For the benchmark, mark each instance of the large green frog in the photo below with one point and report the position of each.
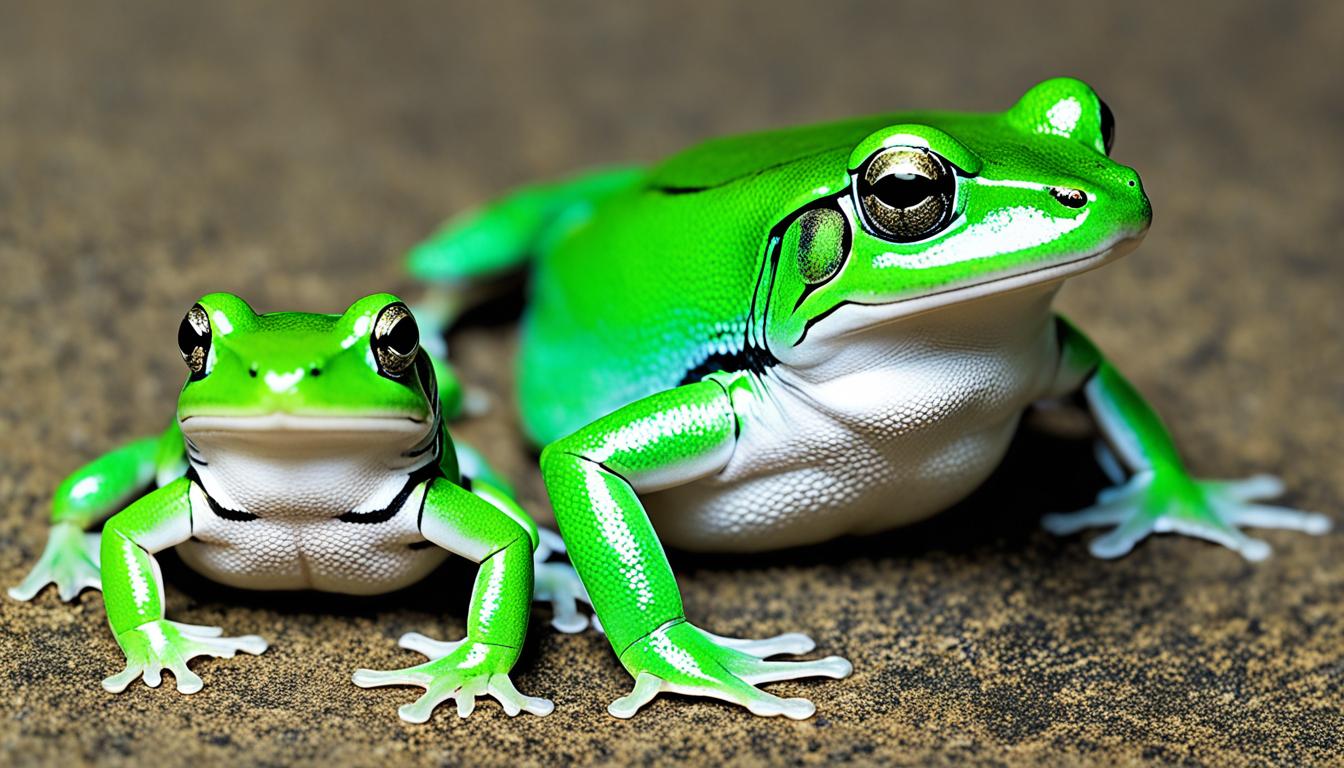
(777, 339)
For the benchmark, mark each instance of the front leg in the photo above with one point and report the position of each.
(555, 582)
(133, 593)
(1161, 495)
(478, 665)
(594, 477)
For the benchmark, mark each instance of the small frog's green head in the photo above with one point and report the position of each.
(934, 209)
(361, 372)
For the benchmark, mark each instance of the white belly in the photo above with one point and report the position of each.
(309, 552)
(893, 428)
(296, 489)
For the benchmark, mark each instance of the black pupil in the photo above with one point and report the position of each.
(1107, 127)
(904, 191)
(187, 337)
(403, 337)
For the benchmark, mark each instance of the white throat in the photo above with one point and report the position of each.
(282, 466)
(999, 323)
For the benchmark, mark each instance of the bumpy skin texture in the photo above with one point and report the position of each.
(309, 453)
(776, 339)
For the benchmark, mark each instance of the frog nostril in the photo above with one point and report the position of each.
(252, 371)
(314, 371)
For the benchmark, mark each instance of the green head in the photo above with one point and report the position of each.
(933, 209)
(360, 371)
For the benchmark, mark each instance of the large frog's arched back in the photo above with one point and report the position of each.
(733, 158)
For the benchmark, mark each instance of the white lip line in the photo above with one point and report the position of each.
(1060, 267)
(938, 299)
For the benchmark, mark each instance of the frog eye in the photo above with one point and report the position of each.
(1107, 127)
(193, 340)
(1069, 197)
(907, 193)
(396, 340)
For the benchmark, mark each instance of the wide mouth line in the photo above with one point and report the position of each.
(292, 422)
(1022, 276)
(1022, 279)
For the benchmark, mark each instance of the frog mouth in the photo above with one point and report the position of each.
(862, 317)
(289, 426)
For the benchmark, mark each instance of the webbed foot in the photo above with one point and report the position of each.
(682, 658)
(1164, 502)
(70, 561)
(158, 645)
(460, 670)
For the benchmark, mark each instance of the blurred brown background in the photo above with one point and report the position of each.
(290, 152)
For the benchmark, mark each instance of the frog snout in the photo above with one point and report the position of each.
(1119, 193)
(1133, 200)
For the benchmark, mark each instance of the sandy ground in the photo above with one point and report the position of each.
(290, 152)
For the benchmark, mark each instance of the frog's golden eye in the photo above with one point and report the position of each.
(907, 193)
(193, 340)
(395, 341)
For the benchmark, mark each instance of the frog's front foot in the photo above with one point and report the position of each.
(682, 658)
(158, 645)
(1170, 501)
(461, 670)
(70, 561)
(559, 585)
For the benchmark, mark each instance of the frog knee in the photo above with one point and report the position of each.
(558, 457)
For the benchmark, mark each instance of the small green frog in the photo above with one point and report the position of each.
(309, 452)
(777, 339)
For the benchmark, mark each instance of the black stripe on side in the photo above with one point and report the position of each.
(427, 472)
(221, 511)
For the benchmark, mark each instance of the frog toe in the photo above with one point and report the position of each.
(187, 681)
(434, 649)
(1108, 512)
(739, 691)
(1217, 529)
(420, 710)
(1280, 518)
(769, 705)
(647, 687)
(120, 681)
(501, 688)
(759, 672)
(788, 643)
(33, 583)
(1254, 488)
(378, 678)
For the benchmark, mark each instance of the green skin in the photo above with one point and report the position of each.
(238, 380)
(667, 305)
